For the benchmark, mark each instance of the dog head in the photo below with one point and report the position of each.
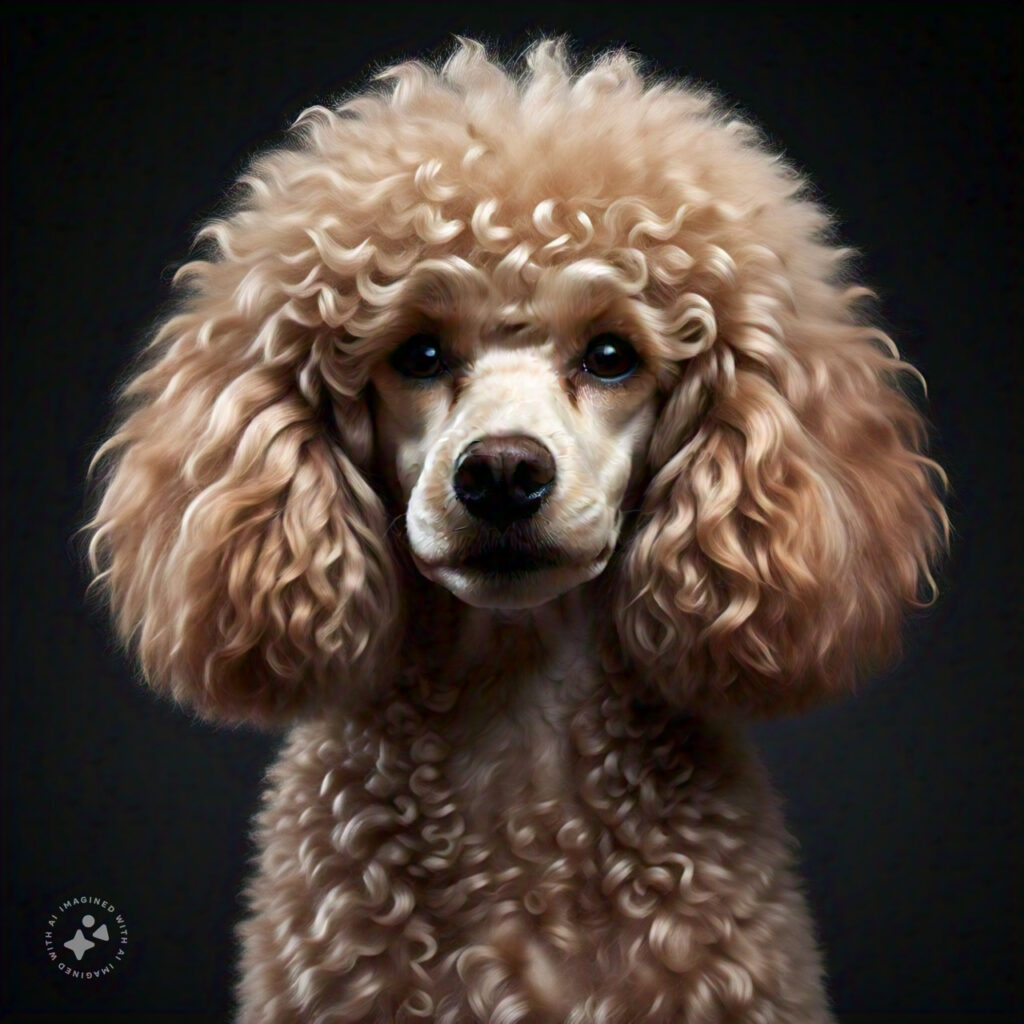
(553, 326)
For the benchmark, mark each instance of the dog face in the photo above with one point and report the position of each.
(530, 303)
(514, 443)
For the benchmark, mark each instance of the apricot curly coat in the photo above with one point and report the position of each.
(516, 796)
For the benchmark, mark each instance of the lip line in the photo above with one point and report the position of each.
(465, 563)
(501, 561)
(446, 566)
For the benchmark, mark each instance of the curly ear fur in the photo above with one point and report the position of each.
(784, 534)
(790, 516)
(242, 548)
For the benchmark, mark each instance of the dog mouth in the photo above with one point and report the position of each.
(504, 574)
(504, 561)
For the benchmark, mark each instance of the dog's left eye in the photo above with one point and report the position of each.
(419, 357)
(610, 357)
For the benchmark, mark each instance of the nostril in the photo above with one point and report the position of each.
(530, 477)
(475, 476)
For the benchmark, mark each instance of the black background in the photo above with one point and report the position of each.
(124, 131)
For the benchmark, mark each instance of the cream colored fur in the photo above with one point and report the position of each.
(520, 798)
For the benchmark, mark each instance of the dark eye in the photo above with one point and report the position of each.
(610, 357)
(419, 357)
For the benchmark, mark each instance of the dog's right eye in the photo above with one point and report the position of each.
(419, 357)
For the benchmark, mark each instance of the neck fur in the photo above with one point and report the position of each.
(501, 686)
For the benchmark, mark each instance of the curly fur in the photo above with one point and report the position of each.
(540, 815)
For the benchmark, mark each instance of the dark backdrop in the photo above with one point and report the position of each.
(123, 132)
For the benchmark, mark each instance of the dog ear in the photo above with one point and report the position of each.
(786, 528)
(241, 546)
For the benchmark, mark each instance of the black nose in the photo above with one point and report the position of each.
(503, 479)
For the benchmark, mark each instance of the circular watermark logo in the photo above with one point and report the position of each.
(86, 937)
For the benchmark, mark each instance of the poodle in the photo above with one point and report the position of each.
(517, 434)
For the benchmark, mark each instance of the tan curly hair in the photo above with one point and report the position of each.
(787, 516)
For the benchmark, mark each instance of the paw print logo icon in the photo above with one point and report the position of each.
(86, 938)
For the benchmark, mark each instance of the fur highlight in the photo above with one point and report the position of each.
(249, 537)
